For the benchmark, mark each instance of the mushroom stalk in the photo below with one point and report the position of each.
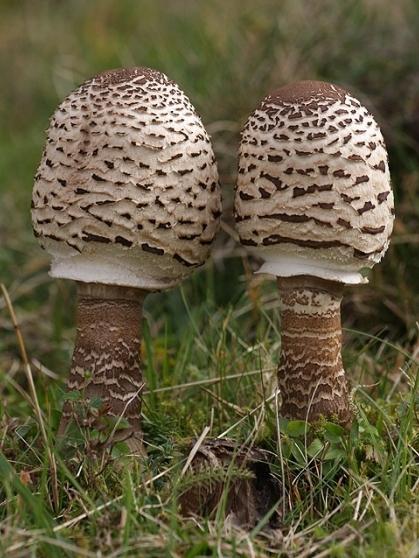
(311, 375)
(106, 360)
(126, 201)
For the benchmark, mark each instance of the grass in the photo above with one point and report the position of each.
(211, 347)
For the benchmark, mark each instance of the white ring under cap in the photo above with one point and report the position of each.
(291, 266)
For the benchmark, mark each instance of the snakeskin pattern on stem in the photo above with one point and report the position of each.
(106, 360)
(311, 375)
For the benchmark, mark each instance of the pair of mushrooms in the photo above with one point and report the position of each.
(127, 201)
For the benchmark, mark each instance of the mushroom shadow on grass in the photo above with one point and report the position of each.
(314, 201)
(126, 201)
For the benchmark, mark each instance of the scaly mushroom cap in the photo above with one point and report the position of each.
(127, 189)
(313, 193)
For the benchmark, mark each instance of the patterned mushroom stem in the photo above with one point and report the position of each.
(311, 375)
(106, 362)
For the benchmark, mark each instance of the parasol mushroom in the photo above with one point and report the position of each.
(314, 202)
(126, 201)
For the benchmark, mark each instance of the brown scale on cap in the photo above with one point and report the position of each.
(141, 74)
(314, 202)
(300, 91)
(126, 200)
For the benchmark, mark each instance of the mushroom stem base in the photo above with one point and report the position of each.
(311, 375)
(106, 370)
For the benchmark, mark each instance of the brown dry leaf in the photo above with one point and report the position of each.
(25, 477)
(238, 477)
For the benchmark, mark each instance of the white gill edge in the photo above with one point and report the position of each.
(124, 268)
(291, 266)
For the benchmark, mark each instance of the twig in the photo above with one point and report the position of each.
(194, 450)
(228, 404)
(208, 381)
(43, 369)
(247, 415)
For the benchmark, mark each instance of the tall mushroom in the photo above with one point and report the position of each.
(314, 202)
(126, 201)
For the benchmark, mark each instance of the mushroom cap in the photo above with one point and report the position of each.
(313, 193)
(127, 190)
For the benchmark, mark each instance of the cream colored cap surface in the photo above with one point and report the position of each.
(313, 193)
(127, 189)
